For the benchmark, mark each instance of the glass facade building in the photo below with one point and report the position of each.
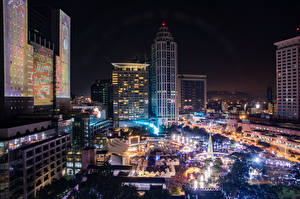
(163, 77)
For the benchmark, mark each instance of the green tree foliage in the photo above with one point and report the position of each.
(236, 180)
(288, 192)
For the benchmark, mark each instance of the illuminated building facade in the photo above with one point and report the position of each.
(61, 37)
(85, 127)
(43, 75)
(130, 92)
(33, 73)
(31, 156)
(191, 93)
(288, 78)
(163, 76)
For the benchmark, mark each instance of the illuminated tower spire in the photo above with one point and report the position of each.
(210, 149)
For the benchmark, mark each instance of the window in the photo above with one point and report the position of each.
(69, 164)
(78, 164)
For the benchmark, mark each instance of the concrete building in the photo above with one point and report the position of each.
(32, 155)
(130, 92)
(163, 77)
(287, 78)
(191, 93)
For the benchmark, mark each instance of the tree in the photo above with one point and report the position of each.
(236, 180)
(295, 172)
(175, 190)
(288, 192)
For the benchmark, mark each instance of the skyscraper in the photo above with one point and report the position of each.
(130, 92)
(163, 75)
(33, 150)
(33, 71)
(288, 78)
(191, 93)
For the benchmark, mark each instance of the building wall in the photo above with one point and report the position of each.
(287, 78)
(43, 163)
(100, 91)
(130, 91)
(19, 61)
(191, 93)
(164, 77)
(43, 75)
(31, 156)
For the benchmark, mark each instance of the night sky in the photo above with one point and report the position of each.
(229, 41)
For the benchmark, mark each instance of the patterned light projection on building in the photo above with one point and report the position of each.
(43, 75)
(15, 41)
(63, 61)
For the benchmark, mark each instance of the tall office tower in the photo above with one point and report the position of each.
(100, 91)
(288, 78)
(191, 93)
(130, 92)
(163, 75)
(33, 71)
(61, 36)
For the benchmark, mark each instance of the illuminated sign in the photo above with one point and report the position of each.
(63, 61)
(199, 114)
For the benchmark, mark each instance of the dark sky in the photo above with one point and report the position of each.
(229, 41)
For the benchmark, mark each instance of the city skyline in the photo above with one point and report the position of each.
(211, 36)
(167, 118)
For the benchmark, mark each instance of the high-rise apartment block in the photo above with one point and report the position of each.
(288, 78)
(130, 92)
(191, 93)
(34, 70)
(163, 75)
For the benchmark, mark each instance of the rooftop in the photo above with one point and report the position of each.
(142, 179)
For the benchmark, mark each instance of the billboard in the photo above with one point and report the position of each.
(15, 48)
(43, 75)
(63, 61)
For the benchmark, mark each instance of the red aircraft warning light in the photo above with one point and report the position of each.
(298, 29)
(163, 24)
